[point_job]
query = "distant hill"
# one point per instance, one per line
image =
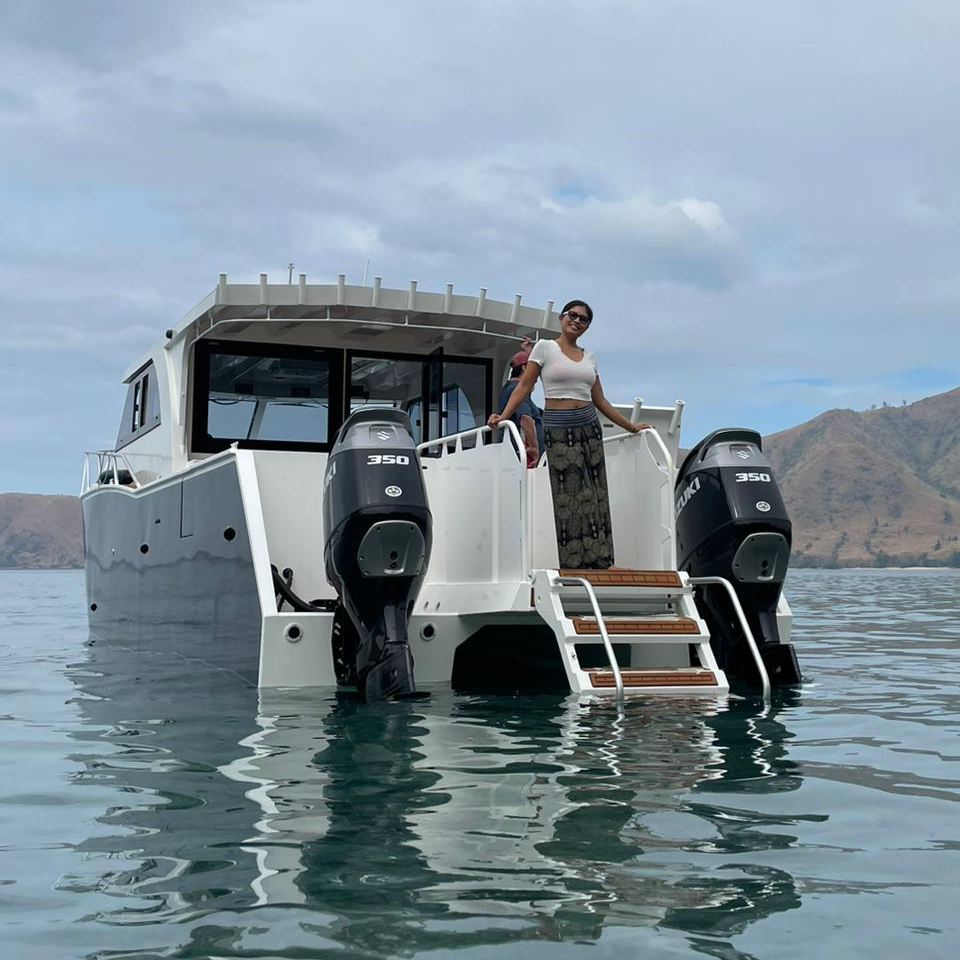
(876, 488)
(39, 532)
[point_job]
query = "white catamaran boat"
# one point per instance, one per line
(304, 491)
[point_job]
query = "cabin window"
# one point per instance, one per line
(137, 387)
(141, 412)
(140, 394)
(263, 397)
(441, 395)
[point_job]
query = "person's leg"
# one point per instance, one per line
(563, 461)
(597, 535)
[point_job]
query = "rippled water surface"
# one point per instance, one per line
(157, 809)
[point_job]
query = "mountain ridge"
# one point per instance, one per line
(876, 487)
(40, 531)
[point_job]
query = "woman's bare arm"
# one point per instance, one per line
(611, 412)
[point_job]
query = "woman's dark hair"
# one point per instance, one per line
(580, 303)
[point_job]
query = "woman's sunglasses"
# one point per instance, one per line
(581, 318)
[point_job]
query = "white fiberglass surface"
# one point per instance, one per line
(477, 499)
(641, 505)
(291, 485)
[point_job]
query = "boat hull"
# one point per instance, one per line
(170, 570)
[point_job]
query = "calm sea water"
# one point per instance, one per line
(165, 810)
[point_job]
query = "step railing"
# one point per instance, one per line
(747, 632)
(604, 636)
(109, 462)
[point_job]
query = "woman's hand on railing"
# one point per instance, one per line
(493, 419)
(637, 427)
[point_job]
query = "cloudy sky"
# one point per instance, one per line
(760, 199)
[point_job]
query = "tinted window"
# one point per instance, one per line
(455, 391)
(388, 382)
(262, 399)
(141, 411)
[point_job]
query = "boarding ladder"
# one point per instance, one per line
(645, 622)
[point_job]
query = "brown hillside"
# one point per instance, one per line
(38, 531)
(874, 488)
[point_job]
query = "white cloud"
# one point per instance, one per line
(737, 188)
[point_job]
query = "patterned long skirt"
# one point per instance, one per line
(578, 480)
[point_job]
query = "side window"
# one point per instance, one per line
(141, 412)
(140, 394)
(144, 400)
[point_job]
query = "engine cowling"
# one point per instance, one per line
(732, 523)
(378, 539)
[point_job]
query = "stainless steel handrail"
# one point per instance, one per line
(747, 632)
(107, 460)
(650, 434)
(611, 656)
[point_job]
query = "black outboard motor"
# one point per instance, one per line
(378, 529)
(731, 523)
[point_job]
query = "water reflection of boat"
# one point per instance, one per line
(461, 821)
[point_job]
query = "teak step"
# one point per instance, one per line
(654, 678)
(588, 626)
(627, 578)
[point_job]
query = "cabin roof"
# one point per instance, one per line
(375, 304)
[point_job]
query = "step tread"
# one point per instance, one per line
(617, 577)
(683, 677)
(618, 626)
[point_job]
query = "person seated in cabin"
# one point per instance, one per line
(573, 439)
(527, 416)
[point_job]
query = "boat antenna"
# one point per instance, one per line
(289, 273)
(363, 282)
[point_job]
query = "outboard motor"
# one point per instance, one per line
(731, 523)
(378, 529)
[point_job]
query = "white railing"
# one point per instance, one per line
(110, 464)
(651, 436)
(478, 496)
(641, 487)
(453, 442)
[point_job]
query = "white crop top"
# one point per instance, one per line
(563, 378)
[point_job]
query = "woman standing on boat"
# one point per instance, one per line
(573, 439)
